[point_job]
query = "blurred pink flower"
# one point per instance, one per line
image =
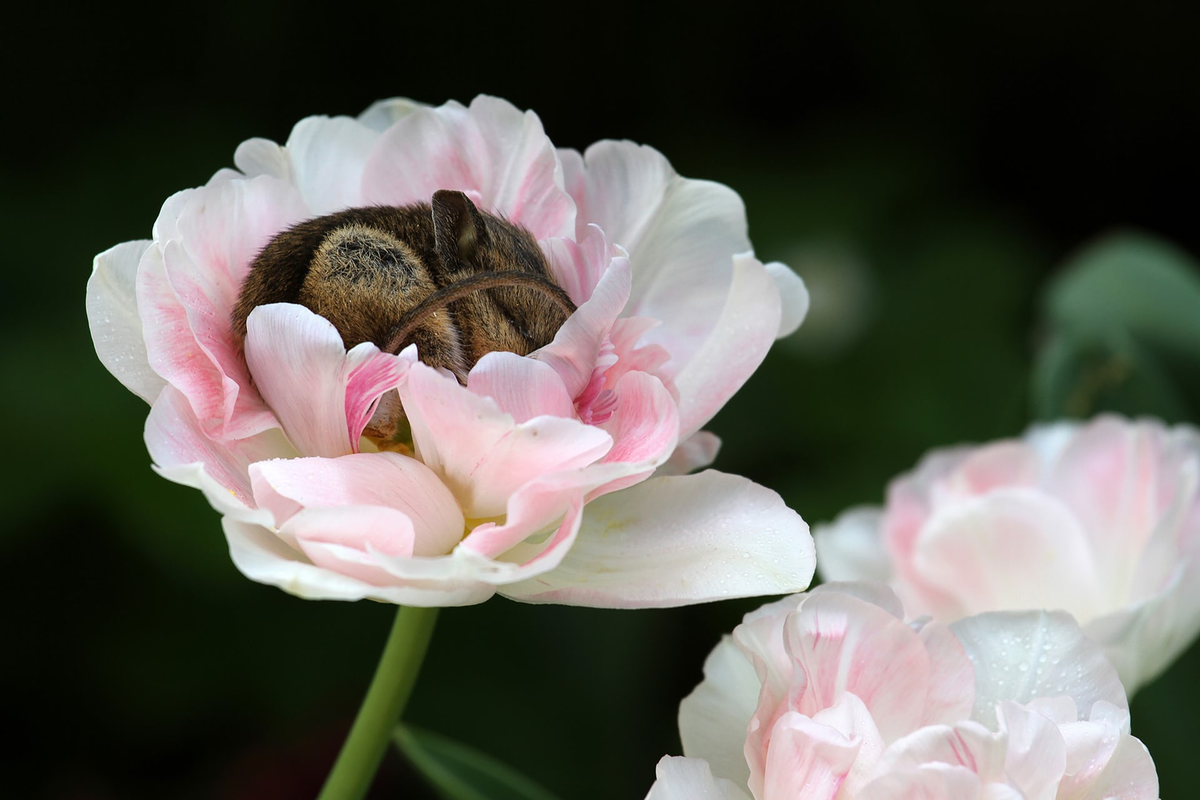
(1101, 520)
(831, 695)
(555, 477)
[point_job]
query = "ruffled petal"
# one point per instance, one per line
(691, 779)
(491, 150)
(713, 718)
(522, 387)
(1036, 756)
(186, 294)
(967, 744)
(113, 318)
(735, 345)
(576, 347)
(176, 439)
(364, 480)
(806, 759)
(481, 453)
(1023, 655)
(845, 645)
(678, 232)
(679, 540)
(322, 395)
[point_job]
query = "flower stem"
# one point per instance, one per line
(370, 736)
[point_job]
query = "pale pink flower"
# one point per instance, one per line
(830, 695)
(556, 477)
(1100, 519)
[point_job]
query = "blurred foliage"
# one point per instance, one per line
(946, 164)
(459, 772)
(1124, 332)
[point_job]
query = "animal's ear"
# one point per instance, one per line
(459, 230)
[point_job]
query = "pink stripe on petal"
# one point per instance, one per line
(844, 644)
(175, 437)
(805, 759)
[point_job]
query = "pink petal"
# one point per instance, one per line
(578, 266)
(736, 344)
(186, 294)
(933, 782)
(490, 148)
(843, 644)
(364, 481)
(678, 232)
(345, 538)
(679, 540)
(967, 744)
(951, 676)
(1012, 548)
(481, 453)
(322, 394)
(645, 425)
(805, 759)
(522, 387)
(328, 157)
(175, 438)
(113, 318)
(576, 347)
(1036, 755)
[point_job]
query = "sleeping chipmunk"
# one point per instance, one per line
(456, 281)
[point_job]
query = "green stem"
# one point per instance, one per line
(356, 765)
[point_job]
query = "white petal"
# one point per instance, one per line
(713, 718)
(735, 346)
(851, 547)
(680, 233)
(264, 557)
(1023, 655)
(328, 156)
(680, 540)
(793, 294)
(696, 452)
(113, 317)
(690, 779)
(321, 394)
(382, 113)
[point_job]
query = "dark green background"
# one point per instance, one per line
(927, 168)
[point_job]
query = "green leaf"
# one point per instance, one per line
(1134, 281)
(1081, 372)
(460, 772)
(1124, 332)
